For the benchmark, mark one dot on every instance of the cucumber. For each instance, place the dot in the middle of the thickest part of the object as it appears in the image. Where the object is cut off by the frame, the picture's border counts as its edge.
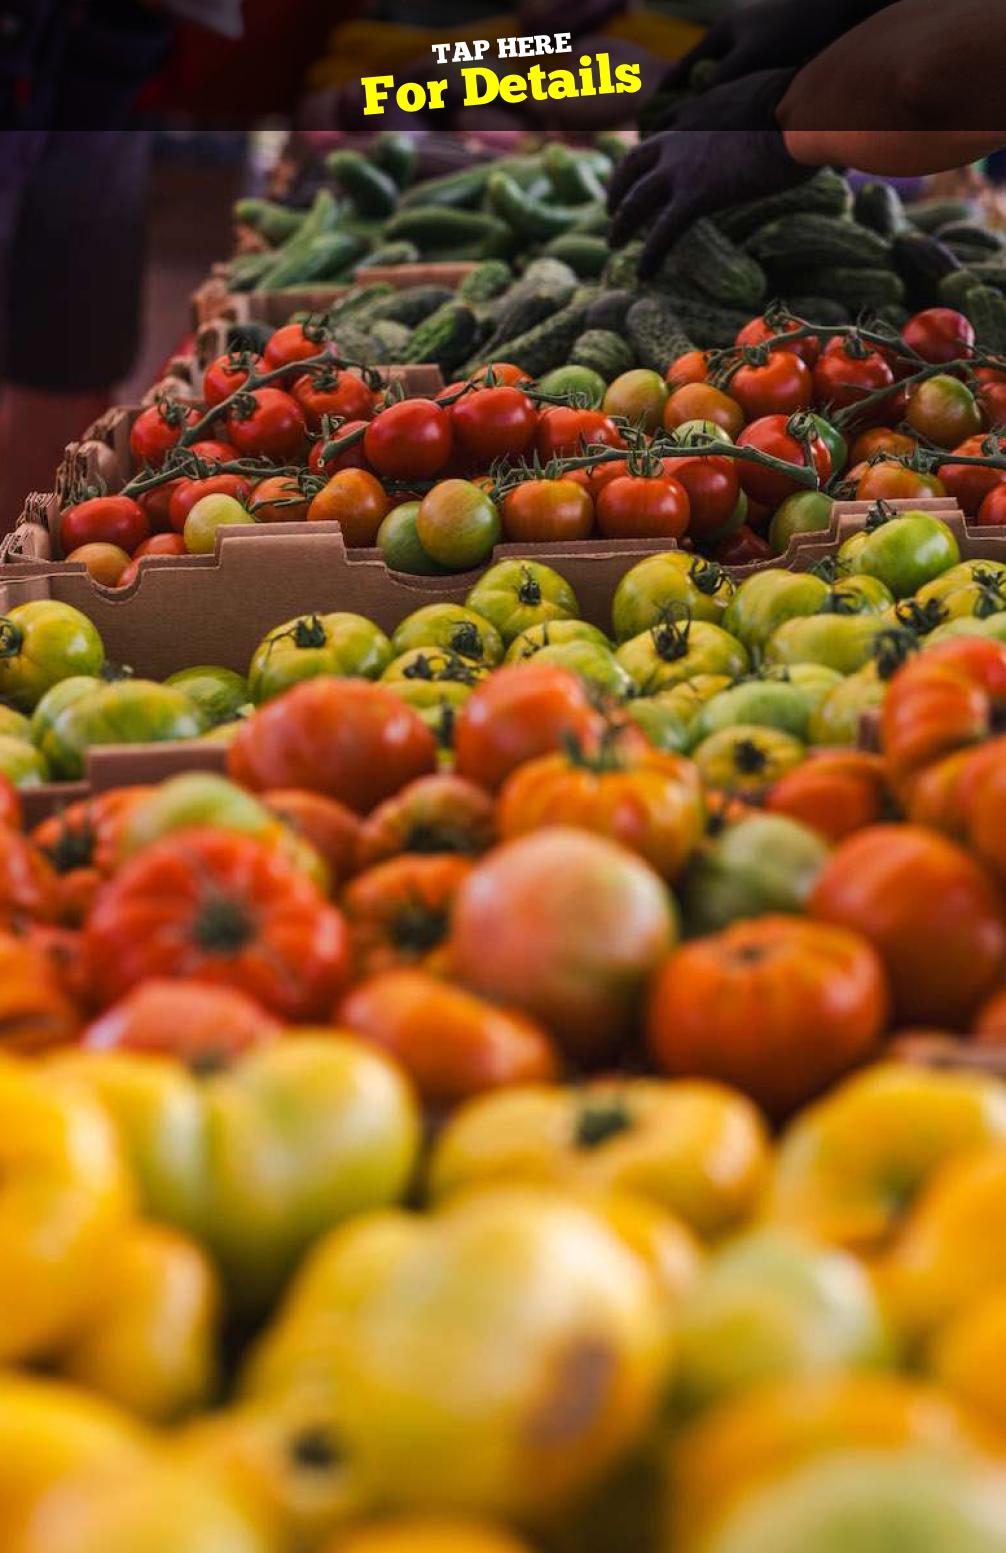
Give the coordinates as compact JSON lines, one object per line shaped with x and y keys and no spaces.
{"x":531,"y":219}
{"x":359,"y":301}
{"x":922,"y":261}
{"x":446,"y":337}
{"x":854,"y":287}
{"x":488,"y":281}
{"x":544,"y":347}
{"x":990,"y":273}
{"x":588,"y":256}
{"x":391,"y":339}
{"x":247,"y":269}
{"x":705,"y":257}
{"x":930,"y":215}
{"x":955,"y":286}
{"x":275,"y":222}
{"x":878,"y":206}
{"x":603,"y":351}
{"x":395,"y":153}
{"x":820,"y":310}
{"x":373,"y":192}
{"x":572,"y":177}
{"x":711,"y":328}
{"x":440,"y":229}
{"x":390,"y":254}
{"x":656,"y":333}
{"x":622,"y":273}
{"x":986,"y":308}
{"x":594,"y":221}
{"x":323,"y":257}
{"x":454,"y":191}
{"x":970,"y":235}
{"x":811,"y":239}
{"x":610,"y":311}
{"x":611,"y":145}
{"x":412,"y":305}
{"x":827,"y":193}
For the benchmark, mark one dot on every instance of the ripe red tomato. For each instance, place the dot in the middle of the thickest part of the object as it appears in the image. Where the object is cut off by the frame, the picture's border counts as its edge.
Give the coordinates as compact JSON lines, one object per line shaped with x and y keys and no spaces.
{"x":703,"y":402}
{"x":969,"y":484}
{"x":410,"y":440}
{"x":331,"y":392}
{"x":775,"y":435}
{"x":279,"y":499}
{"x":643,"y":507}
{"x":501,"y":372}
{"x":880,"y":439}
{"x":493,"y":423}
{"x":713,"y":485}
{"x":992,"y":403}
{"x":10,"y":804}
{"x":759,"y":330}
{"x":562,"y":430}
{"x":200,"y":1025}
{"x":293,"y":343}
{"x":993,"y":509}
{"x":778,"y":386}
{"x":110,"y":520}
{"x":520,"y":711}
{"x":269,"y":424}
{"x":160,"y":544}
{"x":223,"y":376}
{"x":847,"y":372}
{"x":539,"y":510}
{"x":351,"y":457}
{"x":939,"y":334}
{"x":692,"y":367}
{"x":357,"y":501}
{"x":186,"y":493}
{"x":157,"y":429}
{"x":212,"y":451}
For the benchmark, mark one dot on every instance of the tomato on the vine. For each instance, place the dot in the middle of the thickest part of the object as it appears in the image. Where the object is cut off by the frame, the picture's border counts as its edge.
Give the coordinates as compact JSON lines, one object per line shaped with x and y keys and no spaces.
{"x":186,"y":493}
{"x":848,"y":372}
{"x":881,"y":439}
{"x":969,"y":484}
{"x":410,"y":440}
{"x":703,"y":402}
{"x":352,"y":456}
{"x":293,"y":343}
{"x":357,"y":501}
{"x":331,"y":392}
{"x":778,"y":436}
{"x":563,"y":431}
{"x":111,"y":520}
{"x":226,"y":374}
{"x":160,"y":544}
{"x":760,"y":330}
{"x":743,"y":547}
{"x":643,"y":507}
{"x":158,"y":429}
{"x":267,"y":423}
{"x":944,"y":411}
{"x":779,"y":385}
{"x":891,"y":480}
{"x":712,"y":484}
{"x":278,"y":499}
{"x":939,"y":334}
{"x":992,"y":403}
{"x":993,"y":508}
{"x":540,"y":510}
{"x":692,"y":367}
{"x":501,"y":373}
{"x":212,"y":451}
{"x":492,"y":423}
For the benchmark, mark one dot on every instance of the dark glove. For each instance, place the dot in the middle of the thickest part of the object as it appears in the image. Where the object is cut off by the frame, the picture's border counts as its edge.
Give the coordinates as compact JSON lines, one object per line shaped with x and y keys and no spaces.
{"x":771,"y":35}
{"x":675,"y":177}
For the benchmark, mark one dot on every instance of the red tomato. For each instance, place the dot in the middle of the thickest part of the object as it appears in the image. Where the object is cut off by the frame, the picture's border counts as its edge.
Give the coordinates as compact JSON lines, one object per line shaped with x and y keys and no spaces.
{"x":643,"y":507}
{"x":331,"y":392}
{"x":110,"y":520}
{"x":713,"y":486}
{"x":203,"y":1026}
{"x":410,"y":440}
{"x":880,"y":439}
{"x":521,"y":711}
{"x":993,"y":509}
{"x":539,"y":510}
{"x":279,"y":499}
{"x":849,"y":371}
{"x":154,"y":505}
{"x":742,"y":548}
{"x":357,"y":501}
{"x":187,"y":492}
{"x":939,"y":334}
{"x":501,"y":372}
{"x":10,"y":804}
{"x":212,"y":451}
{"x":692,"y":367}
{"x":969,"y":484}
{"x":778,"y":386}
{"x":775,"y":434}
{"x":992,"y":403}
{"x":562,"y":430}
{"x":493,"y":423}
{"x":223,"y":376}
{"x":759,"y":330}
{"x":157,"y":429}
{"x":352,"y":457}
{"x":160,"y":544}
{"x":703,"y":402}
{"x":269,"y":425}
{"x":293,"y":343}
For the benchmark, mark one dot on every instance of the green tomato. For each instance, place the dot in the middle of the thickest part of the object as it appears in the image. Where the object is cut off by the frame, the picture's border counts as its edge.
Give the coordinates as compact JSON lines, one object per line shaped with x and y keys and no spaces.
{"x":837,"y":719}
{"x":431,"y":665}
{"x":458,"y":525}
{"x":834,"y":442}
{"x":694,"y":431}
{"x":218,"y":693}
{"x":747,"y":758}
{"x":842,"y":642}
{"x":14,"y":725}
{"x":763,"y":703}
{"x":399,"y":543}
{"x":805,"y":512}
{"x":990,"y":573}
{"x":671,"y":653}
{"x":594,"y":662}
{"x":21,"y":763}
{"x":207,"y":517}
{"x":639,"y":396}
{"x":764,"y":864}
{"x":56,"y":701}
{"x":431,"y":695}
{"x":515,"y":595}
{"x":976,"y":598}
{"x":552,"y":634}
{"x":858,"y":595}
{"x":584,"y":382}
{"x":905,"y":553}
{"x":42,"y":643}
{"x":129,"y":711}
{"x":665,"y":582}
{"x":667,"y":727}
{"x":453,"y":627}
{"x":766,"y":599}
{"x":812,"y":681}
{"x":968,"y":625}
{"x":342,"y":644}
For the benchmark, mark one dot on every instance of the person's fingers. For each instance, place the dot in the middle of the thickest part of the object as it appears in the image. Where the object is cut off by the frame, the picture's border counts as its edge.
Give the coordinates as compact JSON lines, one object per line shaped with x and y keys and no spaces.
{"x":678,"y":216}
{"x":639,"y":206}
{"x":715,"y":46}
{"x":630,"y":169}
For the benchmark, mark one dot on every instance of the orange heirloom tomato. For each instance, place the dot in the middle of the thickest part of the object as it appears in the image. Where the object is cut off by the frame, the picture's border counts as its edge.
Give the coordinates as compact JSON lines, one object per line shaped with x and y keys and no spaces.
{"x":835,"y":792}
{"x":222,"y":908}
{"x":442,"y":813}
{"x":399,"y":911}
{"x":452,"y":1044}
{"x":10,"y":804}
{"x":521,"y":711}
{"x":88,"y":834}
{"x":777,"y":1006}
{"x":201,"y":1025}
{"x":952,"y":695}
{"x":649,"y":801}
{"x":35,"y":1012}
{"x":330,"y":827}
{"x":28,"y":883}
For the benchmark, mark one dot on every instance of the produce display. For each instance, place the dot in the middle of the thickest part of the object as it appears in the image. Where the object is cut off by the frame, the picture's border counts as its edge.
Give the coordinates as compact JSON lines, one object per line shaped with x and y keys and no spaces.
{"x":544,"y":1089}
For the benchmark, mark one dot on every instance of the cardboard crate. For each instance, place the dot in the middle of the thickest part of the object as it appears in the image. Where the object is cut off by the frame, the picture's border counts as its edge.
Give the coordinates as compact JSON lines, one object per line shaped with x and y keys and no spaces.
{"x":214,"y":300}
{"x":122,"y":765}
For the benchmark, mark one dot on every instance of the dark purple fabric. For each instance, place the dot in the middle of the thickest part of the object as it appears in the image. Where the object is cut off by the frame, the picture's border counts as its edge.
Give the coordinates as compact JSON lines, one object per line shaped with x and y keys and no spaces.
{"x":76,"y":63}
